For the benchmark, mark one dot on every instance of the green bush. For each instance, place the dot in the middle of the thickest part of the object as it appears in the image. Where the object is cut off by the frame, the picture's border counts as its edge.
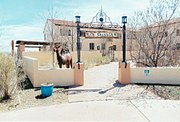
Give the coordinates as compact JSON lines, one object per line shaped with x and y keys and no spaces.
{"x":8,"y":77}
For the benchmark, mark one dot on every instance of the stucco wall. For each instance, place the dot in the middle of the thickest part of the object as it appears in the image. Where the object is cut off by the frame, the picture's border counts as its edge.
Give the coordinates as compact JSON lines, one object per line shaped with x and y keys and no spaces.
{"x":43,"y":57}
{"x":37,"y":75}
{"x":163,"y":75}
{"x":30,"y":67}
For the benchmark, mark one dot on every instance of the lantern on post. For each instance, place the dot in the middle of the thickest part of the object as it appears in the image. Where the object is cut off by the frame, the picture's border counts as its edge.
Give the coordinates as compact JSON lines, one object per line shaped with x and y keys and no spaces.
{"x":78,"y":37}
{"x":124,"y":21}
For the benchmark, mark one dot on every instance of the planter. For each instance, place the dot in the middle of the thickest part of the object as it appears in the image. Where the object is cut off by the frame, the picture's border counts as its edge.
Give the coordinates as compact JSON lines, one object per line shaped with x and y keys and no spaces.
{"x":46,"y":89}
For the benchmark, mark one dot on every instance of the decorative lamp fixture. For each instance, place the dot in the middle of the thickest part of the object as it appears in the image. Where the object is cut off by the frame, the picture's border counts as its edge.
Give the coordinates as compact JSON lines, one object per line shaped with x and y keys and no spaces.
{"x":124,"y":19}
{"x":78,"y":19}
{"x":78,"y":39}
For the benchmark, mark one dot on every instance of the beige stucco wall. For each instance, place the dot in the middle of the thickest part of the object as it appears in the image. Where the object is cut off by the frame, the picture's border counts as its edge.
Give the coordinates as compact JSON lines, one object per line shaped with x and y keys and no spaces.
{"x":43,"y":58}
{"x":39,"y":75}
{"x":59,"y":77}
{"x":163,"y":75}
{"x":30,"y":67}
{"x":98,"y":42}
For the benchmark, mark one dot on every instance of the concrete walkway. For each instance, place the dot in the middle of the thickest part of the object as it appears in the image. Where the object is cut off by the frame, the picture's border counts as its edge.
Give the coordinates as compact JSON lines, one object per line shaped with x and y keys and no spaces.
{"x":102,"y":98}
{"x":123,"y":110}
{"x":101,"y":84}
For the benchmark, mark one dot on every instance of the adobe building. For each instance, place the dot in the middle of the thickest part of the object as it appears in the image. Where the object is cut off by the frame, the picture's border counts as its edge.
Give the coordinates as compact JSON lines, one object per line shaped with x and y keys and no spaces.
{"x":99,"y":35}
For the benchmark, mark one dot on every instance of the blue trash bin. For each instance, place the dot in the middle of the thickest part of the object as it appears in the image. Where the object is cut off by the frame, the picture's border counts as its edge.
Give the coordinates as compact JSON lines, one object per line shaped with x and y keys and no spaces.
{"x":46,"y":90}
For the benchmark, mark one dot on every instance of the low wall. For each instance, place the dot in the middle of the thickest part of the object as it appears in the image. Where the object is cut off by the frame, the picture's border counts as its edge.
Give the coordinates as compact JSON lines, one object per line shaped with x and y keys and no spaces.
{"x":37,"y":75}
{"x":30,"y":67}
{"x":160,"y":75}
{"x":43,"y":58}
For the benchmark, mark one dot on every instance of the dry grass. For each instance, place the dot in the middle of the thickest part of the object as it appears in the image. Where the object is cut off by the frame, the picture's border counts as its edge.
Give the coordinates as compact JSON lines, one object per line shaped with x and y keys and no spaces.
{"x":96,"y":61}
{"x":164,"y":91}
{"x":8,"y":77}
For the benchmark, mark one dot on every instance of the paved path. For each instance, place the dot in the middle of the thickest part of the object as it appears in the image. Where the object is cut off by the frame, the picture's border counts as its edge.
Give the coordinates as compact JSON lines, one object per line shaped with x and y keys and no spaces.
{"x":102,"y":98}
{"x":123,"y":110}
{"x":101,"y":84}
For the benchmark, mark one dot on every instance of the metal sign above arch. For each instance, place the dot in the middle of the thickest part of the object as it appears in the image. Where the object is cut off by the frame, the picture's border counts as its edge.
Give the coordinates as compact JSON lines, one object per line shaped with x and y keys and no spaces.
{"x":101,"y":20}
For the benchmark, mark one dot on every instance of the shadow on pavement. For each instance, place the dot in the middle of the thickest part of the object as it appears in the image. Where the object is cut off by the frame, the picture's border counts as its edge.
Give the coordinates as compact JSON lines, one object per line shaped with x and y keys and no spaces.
{"x":40,"y":97}
{"x":81,"y":90}
{"x":115,"y":85}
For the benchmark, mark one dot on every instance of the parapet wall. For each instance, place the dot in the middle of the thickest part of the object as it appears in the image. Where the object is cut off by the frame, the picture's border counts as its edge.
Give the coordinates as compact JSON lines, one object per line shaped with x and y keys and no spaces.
{"x":148,"y":75}
{"x":45,"y":58}
{"x":159,"y":75}
{"x":57,"y":76}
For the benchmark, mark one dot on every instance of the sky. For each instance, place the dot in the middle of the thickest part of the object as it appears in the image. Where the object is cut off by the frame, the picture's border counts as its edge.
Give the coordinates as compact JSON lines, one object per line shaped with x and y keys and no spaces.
{"x":25,"y":19}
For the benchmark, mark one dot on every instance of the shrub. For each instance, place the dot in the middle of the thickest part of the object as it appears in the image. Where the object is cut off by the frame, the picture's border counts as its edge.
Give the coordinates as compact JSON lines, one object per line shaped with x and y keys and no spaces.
{"x":23,"y":82}
{"x":8,"y":77}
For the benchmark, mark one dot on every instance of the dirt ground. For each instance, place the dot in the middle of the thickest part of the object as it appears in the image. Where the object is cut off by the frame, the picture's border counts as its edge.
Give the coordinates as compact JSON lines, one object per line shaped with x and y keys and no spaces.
{"x":100,"y":84}
{"x":32,"y":98}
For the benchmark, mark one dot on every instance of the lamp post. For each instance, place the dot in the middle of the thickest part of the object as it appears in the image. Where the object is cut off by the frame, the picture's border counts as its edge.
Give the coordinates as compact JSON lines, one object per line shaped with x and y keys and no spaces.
{"x":78,"y":37}
{"x":124,"y":21}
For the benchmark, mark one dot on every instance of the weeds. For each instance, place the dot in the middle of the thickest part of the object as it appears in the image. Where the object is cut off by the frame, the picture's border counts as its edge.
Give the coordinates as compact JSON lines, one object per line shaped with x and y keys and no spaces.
{"x":8,"y":81}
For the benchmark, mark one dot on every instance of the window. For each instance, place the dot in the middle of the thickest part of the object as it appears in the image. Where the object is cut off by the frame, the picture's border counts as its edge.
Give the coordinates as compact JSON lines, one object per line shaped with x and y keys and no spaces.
{"x":91,"y":46}
{"x":120,"y":36}
{"x":61,"y":33}
{"x":103,"y":46}
{"x":69,"y":33}
{"x":114,"y":47}
{"x":98,"y":47}
{"x":177,"y":32}
{"x":82,"y":33}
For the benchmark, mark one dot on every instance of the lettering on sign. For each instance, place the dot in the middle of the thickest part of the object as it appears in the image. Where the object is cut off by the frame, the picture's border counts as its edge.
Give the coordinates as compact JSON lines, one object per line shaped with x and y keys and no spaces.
{"x":101,"y":35}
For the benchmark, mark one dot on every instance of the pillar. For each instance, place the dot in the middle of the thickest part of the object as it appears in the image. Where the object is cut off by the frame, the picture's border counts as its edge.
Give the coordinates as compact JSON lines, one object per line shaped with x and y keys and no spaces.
{"x":12,"y":47}
{"x":79,"y":74}
{"x":124,"y":75}
{"x":21,"y":48}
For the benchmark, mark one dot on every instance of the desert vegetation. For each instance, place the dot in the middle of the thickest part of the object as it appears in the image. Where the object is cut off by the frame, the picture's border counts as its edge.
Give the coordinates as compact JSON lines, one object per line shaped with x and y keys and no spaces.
{"x":8,"y":77}
{"x":153,"y":34}
{"x":153,"y":41}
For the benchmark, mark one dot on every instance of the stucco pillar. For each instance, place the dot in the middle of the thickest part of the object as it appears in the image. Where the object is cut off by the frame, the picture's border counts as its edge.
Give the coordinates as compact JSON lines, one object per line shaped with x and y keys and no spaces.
{"x":21,"y":48}
{"x":12,"y":47}
{"x":124,"y":74}
{"x":79,"y":74}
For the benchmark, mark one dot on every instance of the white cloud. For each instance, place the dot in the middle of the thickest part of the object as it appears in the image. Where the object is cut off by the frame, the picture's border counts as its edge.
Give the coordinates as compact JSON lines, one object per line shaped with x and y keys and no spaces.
{"x":19,"y":32}
{"x":87,"y":9}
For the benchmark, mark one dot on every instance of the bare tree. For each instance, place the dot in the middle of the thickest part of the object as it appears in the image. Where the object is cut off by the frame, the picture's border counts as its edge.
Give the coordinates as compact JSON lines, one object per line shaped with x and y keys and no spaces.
{"x":71,"y":37}
{"x":50,"y":29}
{"x":153,"y":33}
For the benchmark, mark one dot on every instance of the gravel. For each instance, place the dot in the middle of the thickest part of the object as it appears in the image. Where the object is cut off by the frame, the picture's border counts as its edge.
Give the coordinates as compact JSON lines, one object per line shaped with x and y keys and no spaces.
{"x":166,"y":92}
{"x":32,"y":98}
